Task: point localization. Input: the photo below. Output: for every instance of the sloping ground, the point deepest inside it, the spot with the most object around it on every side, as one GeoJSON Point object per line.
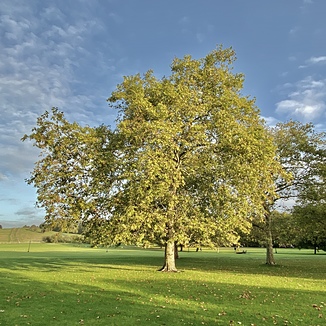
{"type": "Point", "coordinates": [21, 235]}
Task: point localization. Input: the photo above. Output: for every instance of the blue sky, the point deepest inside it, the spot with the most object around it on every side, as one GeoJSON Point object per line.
{"type": "Point", "coordinates": [71, 54]}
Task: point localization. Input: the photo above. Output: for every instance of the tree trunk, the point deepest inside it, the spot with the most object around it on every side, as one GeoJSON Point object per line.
{"type": "Point", "coordinates": [176, 253]}
{"type": "Point", "coordinates": [169, 264]}
{"type": "Point", "coordinates": [269, 243]}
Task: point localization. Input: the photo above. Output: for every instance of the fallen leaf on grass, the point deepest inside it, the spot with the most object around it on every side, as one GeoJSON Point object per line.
{"type": "Point", "coordinates": [246, 295]}
{"type": "Point", "coordinates": [316, 306]}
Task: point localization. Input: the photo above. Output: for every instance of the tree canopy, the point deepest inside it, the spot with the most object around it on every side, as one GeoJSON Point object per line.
{"type": "Point", "coordinates": [190, 160]}
{"type": "Point", "coordinates": [301, 152]}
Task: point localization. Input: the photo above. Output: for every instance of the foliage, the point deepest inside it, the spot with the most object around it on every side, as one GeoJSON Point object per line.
{"type": "Point", "coordinates": [284, 232]}
{"type": "Point", "coordinates": [301, 152]}
{"type": "Point", "coordinates": [33, 228]}
{"type": "Point", "coordinates": [190, 160]}
{"type": "Point", "coordinates": [311, 220]}
{"type": "Point", "coordinates": [71, 172]}
{"type": "Point", "coordinates": [311, 205]}
{"type": "Point", "coordinates": [70, 285]}
{"type": "Point", "coordinates": [61, 237]}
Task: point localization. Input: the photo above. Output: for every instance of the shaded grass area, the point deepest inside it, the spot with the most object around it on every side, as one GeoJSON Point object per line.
{"type": "Point", "coordinates": [57, 284]}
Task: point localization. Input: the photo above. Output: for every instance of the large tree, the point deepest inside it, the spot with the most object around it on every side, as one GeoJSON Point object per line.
{"type": "Point", "coordinates": [301, 152]}
{"type": "Point", "coordinates": [189, 159]}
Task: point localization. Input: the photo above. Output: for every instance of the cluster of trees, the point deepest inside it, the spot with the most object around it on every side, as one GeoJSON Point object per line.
{"type": "Point", "coordinates": [62, 225]}
{"type": "Point", "coordinates": [189, 161]}
{"type": "Point", "coordinates": [302, 153]}
{"type": "Point", "coordinates": [292, 230]}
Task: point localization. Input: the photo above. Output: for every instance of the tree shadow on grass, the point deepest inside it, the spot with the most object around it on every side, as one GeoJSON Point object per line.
{"type": "Point", "coordinates": [147, 298]}
{"type": "Point", "coordinates": [152, 259]}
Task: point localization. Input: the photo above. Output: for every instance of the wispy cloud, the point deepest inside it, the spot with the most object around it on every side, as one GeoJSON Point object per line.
{"type": "Point", "coordinates": [294, 31]}
{"type": "Point", "coordinates": [27, 212]}
{"type": "Point", "coordinates": [40, 48]}
{"type": "Point", "coordinates": [3, 177]}
{"type": "Point", "coordinates": [200, 37]}
{"type": "Point", "coordinates": [307, 101]}
{"type": "Point", "coordinates": [305, 4]}
{"type": "Point", "coordinates": [51, 55]}
{"type": "Point", "coordinates": [313, 61]}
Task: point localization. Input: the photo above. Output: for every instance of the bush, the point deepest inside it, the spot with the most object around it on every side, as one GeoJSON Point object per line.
{"type": "Point", "coordinates": [62, 238]}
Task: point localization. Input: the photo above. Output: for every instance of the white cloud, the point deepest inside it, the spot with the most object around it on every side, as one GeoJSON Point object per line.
{"type": "Point", "coordinates": [314, 60]}
{"type": "Point", "coordinates": [271, 121]}
{"type": "Point", "coordinates": [306, 102]}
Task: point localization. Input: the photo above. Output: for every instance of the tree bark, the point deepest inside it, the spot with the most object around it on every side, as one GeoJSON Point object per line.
{"type": "Point", "coordinates": [315, 248]}
{"type": "Point", "coordinates": [176, 253]}
{"type": "Point", "coordinates": [169, 263]}
{"type": "Point", "coordinates": [269, 243]}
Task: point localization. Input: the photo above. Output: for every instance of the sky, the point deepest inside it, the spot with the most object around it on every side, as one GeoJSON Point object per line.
{"type": "Point", "coordinates": [71, 54]}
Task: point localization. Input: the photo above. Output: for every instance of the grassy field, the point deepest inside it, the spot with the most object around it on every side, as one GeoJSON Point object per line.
{"type": "Point", "coordinates": [58, 284]}
{"type": "Point", "coordinates": [16, 235]}
{"type": "Point", "coordinates": [25, 235]}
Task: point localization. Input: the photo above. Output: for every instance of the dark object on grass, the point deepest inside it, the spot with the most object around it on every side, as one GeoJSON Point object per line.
{"type": "Point", "coordinates": [241, 252]}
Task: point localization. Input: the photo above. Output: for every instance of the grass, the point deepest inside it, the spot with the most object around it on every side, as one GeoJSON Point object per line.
{"type": "Point", "coordinates": [22, 235]}
{"type": "Point", "coordinates": [58, 284]}
{"type": "Point", "coordinates": [16, 235]}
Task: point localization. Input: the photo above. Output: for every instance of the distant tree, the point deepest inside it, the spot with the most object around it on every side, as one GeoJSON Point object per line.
{"type": "Point", "coordinates": [301, 152]}
{"type": "Point", "coordinates": [44, 227]}
{"type": "Point", "coordinates": [311, 220]}
{"type": "Point", "coordinates": [0, 226]}
{"type": "Point", "coordinates": [284, 231]}
{"type": "Point", "coordinates": [190, 159]}
{"type": "Point", "coordinates": [310, 209]}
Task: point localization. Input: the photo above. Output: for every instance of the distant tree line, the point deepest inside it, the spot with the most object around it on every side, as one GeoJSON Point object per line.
{"type": "Point", "coordinates": [296, 229]}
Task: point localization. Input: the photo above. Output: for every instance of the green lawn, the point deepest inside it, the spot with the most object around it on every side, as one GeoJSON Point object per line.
{"type": "Point", "coordinates": [57, 284]}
